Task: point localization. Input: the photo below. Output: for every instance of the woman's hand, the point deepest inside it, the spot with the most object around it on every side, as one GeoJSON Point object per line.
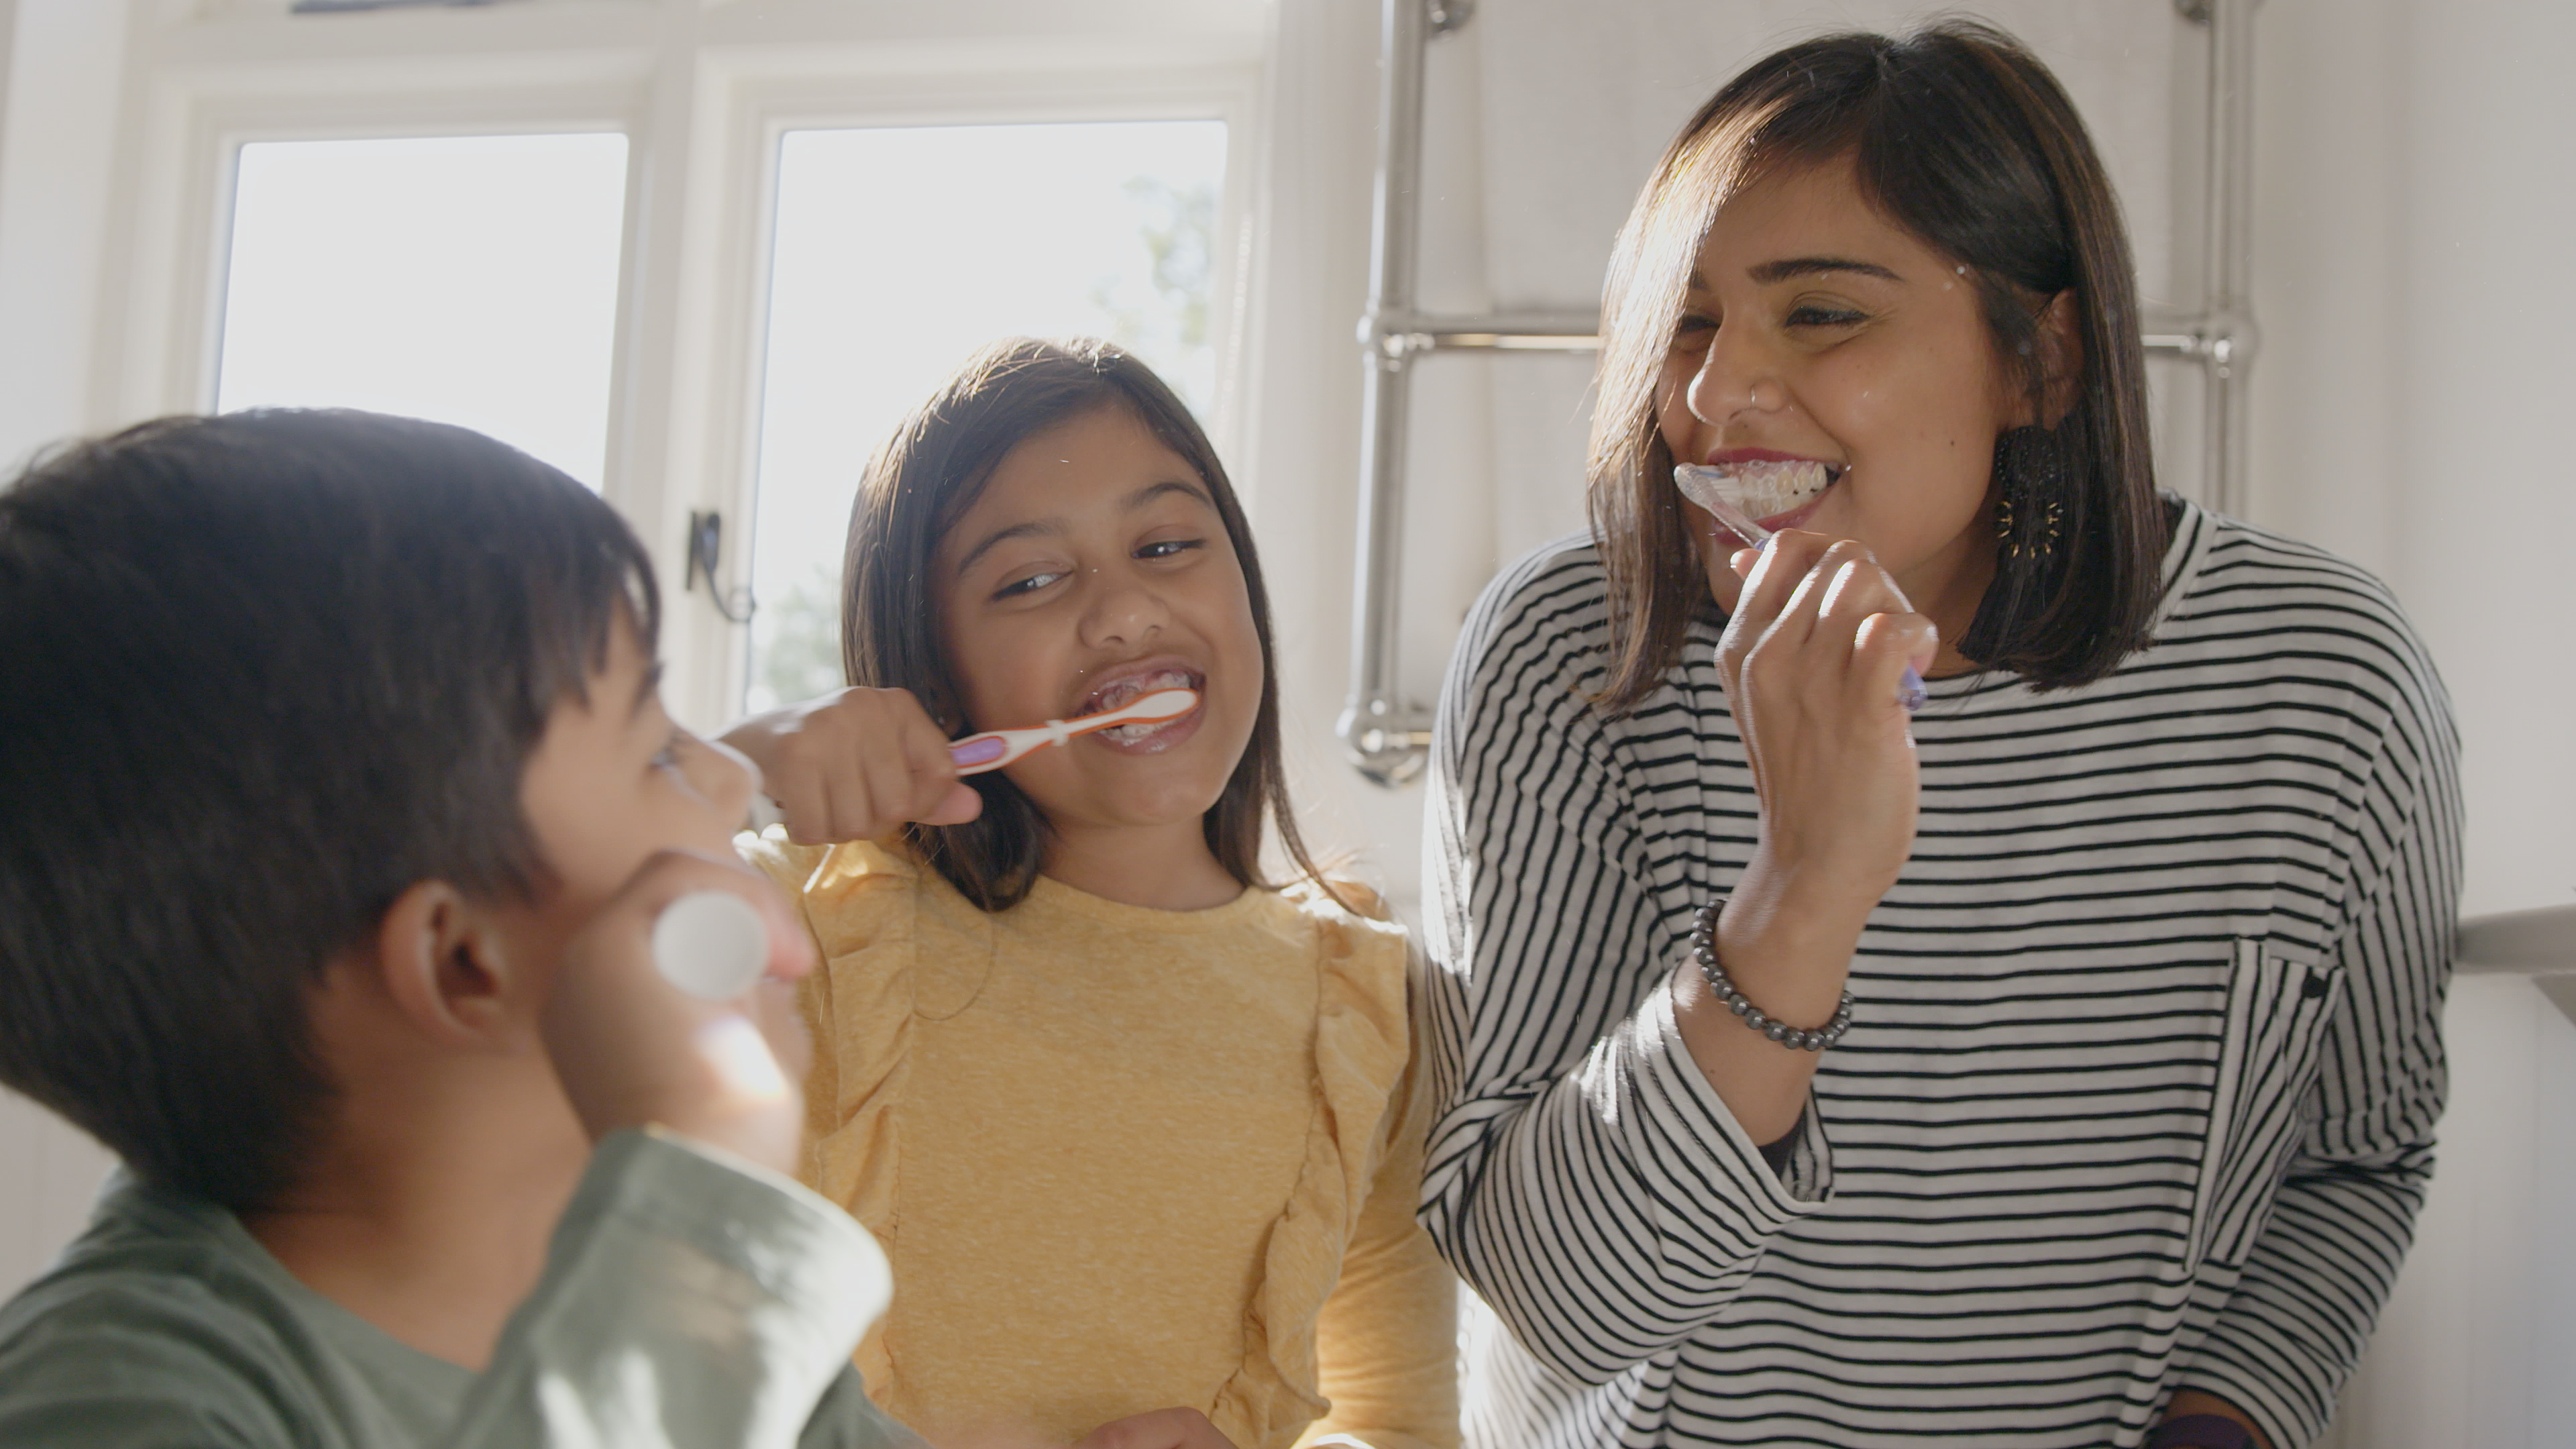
{"type": "Point", "coordinates": [1812, 658]}
{"type": "Point", "coordinates": [855, 764]}
{"type": "Point", "coordinates": [1816, 641]}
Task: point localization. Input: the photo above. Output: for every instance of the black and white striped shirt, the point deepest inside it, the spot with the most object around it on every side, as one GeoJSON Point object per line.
{"type": "Point", "coordinates": [2141, 1083]}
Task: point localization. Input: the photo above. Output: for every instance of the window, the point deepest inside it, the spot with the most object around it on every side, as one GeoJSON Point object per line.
{"type": "Point", "coordinates": [563, 222]}
{"type": "Point", "coordinates": [897, 252]}
{"type": "Point", "coordinates": [468, 279]}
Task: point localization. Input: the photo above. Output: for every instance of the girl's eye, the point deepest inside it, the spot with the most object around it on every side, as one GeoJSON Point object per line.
{"type": "Point", "coordinates": [1691, 328]}
{"type": "Point", "coordinates": [1170, 547]}
{"type": "Point", "coordinates": [1817, 314]}
{"type": "Point", "coordinates": [1029, 585]}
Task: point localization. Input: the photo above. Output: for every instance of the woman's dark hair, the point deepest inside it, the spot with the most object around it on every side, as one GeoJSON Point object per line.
{"type": "Point", "coordinates": [1961, 137]}
{"type": "Point", "coordinates": [929, 473]}
{"type": "Point", "coordinates": [259, 675]}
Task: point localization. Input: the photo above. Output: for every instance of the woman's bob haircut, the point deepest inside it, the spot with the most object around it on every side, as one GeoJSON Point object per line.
{"type": "Point", "coordinates": [1961, 137]}
{"type": "Point", "coordinates": [917, 485]}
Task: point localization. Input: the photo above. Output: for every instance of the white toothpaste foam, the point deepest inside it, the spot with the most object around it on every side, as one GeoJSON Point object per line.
{"type": "Point", "coordinates": [1771, 487]}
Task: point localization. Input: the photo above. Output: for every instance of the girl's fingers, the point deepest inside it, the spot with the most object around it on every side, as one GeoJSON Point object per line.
{"type": "Point", "coordinates": [933, 774]}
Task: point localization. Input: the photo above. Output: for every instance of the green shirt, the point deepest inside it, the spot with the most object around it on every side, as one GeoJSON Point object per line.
{"type": "Point", "coordinates": [686, 1301]}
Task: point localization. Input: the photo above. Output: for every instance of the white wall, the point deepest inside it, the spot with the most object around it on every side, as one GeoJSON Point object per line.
{"type": "Point", "coordinates": [62, 61]}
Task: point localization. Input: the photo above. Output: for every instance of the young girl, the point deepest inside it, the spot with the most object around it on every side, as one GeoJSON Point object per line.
{"type": "Point", "coordinates": [1136, 1127]}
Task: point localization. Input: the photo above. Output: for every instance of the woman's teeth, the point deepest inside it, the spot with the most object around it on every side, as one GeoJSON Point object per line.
{"type": "Point", "coordinates": [1128, 734]}
{"type": "Point", "coordinates": [1771, 487]}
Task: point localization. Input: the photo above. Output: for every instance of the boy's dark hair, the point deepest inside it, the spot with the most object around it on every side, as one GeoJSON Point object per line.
{"type": "Point", "coordinates": [930, 472]}
{"type": "Point", "coordinates": [1963, 138]}
{"type": "Point", "coordinates": [259, 675]}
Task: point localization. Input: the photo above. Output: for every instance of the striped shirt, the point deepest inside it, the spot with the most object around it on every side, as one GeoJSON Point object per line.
{"type": "Point", "coordinates": [2140, 1088]}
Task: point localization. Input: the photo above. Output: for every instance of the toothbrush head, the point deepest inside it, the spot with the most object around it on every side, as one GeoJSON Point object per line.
{"type": "Point", "coordinates": [1757, 488]}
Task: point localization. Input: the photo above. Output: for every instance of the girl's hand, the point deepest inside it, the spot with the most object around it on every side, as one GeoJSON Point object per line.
{"type": "Point", "coordinates": [855, 764]}
{"type": "Point", "coordinates": [1812, 657]}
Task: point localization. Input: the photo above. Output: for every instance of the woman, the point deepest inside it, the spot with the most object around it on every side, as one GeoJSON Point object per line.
{"type": "Point", "coordinates": [2098, 1056]}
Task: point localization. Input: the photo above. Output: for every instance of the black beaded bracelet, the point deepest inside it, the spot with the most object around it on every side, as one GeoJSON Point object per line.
{"type": "Point", "coordinates": [1704, 946]}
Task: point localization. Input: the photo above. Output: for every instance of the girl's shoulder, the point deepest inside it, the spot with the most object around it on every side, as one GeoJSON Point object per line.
{"type": "Point", "coordinates": [1359, 924]}
{"type": "Point", "coordinates": [825, 873]}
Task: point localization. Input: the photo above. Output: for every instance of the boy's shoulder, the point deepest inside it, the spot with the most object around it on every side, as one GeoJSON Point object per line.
{"type": "Point", "coordinates": [152, 1330]}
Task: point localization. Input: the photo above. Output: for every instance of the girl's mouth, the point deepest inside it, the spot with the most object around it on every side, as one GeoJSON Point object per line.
{"type": "Point", "coordinates": [1120, 690]}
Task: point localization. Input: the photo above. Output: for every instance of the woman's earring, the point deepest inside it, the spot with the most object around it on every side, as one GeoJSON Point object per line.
{"type": "Point", "coordinates": [2032, 470]}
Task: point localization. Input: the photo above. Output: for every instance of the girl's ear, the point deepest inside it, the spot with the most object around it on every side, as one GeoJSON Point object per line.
{"type": "Point", "coordinates": [445, 964]}
{"type": "Point", "coordinates": [2061, 358]}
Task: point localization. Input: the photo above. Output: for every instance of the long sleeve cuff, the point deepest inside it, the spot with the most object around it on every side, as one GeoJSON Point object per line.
{"type": "Point", "coordinates": [1695, 1122]}
{"type": "Point", "coordinates": [689, 1298]}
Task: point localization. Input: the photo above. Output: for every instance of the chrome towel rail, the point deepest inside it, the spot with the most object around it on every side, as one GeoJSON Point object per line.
{"type": "Point", "coordinates": [1387, 737]}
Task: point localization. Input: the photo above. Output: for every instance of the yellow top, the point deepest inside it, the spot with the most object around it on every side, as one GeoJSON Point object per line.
{"type": "Point", "coordinates": [1124, 1159]}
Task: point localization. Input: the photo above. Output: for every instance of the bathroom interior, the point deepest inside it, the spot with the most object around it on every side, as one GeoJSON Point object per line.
{"type": "Point", "coordinates": [741, 235]}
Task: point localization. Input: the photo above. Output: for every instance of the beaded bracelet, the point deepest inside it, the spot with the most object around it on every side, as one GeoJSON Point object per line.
{"type": "Point", "coordinates": [1704, 946]}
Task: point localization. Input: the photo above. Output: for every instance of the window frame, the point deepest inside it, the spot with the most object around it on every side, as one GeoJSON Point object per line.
{"type": "Point", "coordinates": [704, 91]}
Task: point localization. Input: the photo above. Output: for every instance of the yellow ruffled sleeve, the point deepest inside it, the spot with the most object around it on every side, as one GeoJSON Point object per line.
{"type": "Point", "coordinates": [1386, 1340]}
{"type": "Point", "coordinates": [861, 904]}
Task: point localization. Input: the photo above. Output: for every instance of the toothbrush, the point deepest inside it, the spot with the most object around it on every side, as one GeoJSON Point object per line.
{"type": "Point", "coordinates": [1706, 487]}
{"type": "Point", "coordinates": [993, 749]}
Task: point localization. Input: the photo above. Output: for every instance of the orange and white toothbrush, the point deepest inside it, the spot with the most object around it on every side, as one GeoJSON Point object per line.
{"type": "Point", "coordinates": [993, 749]}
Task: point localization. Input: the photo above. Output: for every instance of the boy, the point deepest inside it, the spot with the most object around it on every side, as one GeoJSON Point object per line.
{"type": "Point", "coordinates": [336, 806]}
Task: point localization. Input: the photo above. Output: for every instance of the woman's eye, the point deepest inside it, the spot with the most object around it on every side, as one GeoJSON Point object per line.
{"type": "Point", "coordinates": [1812, 314]}
{"type": "Point", "coordinates": [1030, 585]}
{"type": "Point", "coordinates": [1692, 327]}
{"type": "Point", "coordinates": [1170, 547]}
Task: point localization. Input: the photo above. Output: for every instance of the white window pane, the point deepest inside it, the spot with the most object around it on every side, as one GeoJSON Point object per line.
{"type": "Point", "coordinates": [470, 279]}
{"type": "Point", "coordinates": [901, 250]}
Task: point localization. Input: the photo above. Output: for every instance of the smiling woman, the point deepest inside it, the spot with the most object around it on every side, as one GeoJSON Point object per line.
{"type": "Point", "coordinates": [2052, 1068]}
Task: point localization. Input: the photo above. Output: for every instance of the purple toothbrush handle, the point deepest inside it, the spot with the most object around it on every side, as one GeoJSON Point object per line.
{"type": "Point", "coordinates": [977, 752]}
{"type": "Point", "coordinates": [1909, 690]}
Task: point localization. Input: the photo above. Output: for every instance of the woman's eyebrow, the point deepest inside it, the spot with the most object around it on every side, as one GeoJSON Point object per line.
{"type": "Point", "coordinates": [1782, 270]}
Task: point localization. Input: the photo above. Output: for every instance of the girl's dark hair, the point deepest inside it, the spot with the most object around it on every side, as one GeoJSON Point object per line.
{"type": "Point", "coordinates": [929, 473]}
{"type": "Point", "coordinates": [264, 673]}
{"type": "Point", "coordinates": [1963, 138]}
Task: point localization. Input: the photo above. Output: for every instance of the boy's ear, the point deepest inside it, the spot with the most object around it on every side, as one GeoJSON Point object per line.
{"type": "Point", "coordinates": [2061, 358]}
{"type": "Point", "coordinates": [445, 963]}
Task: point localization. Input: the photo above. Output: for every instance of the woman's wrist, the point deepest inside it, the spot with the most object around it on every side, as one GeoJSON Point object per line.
{"type": "Point", "coordinates": [1788, 951]}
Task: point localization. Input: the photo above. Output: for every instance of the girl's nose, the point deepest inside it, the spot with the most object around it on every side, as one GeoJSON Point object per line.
{"type": "Point", "coordinates": [1125, 611]}
{"type": "Point", "coordinates": [1734, 376]}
